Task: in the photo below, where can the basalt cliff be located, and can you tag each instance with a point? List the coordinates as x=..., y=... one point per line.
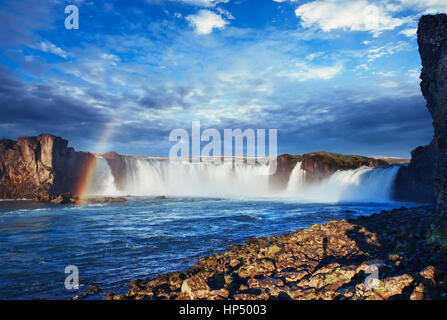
x=41, y=168
x=432, y=40
x=415, y=182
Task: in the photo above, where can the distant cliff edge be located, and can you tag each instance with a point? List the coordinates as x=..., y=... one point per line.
x=320, y=165
x=40, y=168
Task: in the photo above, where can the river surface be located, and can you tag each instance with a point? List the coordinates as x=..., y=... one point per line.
x=111, y=244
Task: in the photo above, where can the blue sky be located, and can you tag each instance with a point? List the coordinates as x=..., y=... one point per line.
x=332, y=75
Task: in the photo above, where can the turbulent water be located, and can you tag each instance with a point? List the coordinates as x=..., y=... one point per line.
x=208, y=208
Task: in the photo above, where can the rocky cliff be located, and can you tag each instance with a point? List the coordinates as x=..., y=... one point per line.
x=285, y=165
x=319, y=165
x=415, y=182
x=41, y=167
x=432, y=40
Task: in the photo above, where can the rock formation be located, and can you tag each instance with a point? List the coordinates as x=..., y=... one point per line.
x=319, y=165
x=41, y=167
x=414, y=183
x=432, y=40
x=284, y=167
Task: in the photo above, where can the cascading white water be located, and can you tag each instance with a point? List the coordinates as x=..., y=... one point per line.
x=150, y=177
x=364, y=184
x=102, y=182
x=154, y=177
x=297, y=180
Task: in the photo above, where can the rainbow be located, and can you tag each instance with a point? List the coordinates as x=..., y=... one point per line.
x=87, y=173
x=85, y=178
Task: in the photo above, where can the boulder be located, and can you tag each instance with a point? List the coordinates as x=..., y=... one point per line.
x=196, y=287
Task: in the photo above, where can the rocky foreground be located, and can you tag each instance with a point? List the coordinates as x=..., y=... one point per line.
x=331, y=261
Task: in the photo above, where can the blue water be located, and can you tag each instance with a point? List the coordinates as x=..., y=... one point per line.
x=112, y=244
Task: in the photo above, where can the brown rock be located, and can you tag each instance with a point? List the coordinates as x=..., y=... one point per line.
x=260, y=266
x=392, y=286
x=196, y=287
x=428, y=273
x=418, y=293
x=41, y=167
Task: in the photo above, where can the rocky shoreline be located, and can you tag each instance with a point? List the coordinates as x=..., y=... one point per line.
x=336, y=260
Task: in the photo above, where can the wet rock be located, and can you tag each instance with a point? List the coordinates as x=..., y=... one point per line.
x=292, y=276
x=137, y=284
x=196, y=287
x=418, y=292
x=257, y=267
x=95, y=200
x=392, y=287
x=428, y=273
x=110, y=296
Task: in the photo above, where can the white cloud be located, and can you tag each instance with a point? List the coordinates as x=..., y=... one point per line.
x=307, y=71
x=414, y=73
x=109, y=56
x=203, y=3
x=205, y=21
x=390, y=84
x=425, y=6
x=386, y=50
x=348, y=15
x=47, y=46
x=225, y=13
x=314, y=55
x=411, y=32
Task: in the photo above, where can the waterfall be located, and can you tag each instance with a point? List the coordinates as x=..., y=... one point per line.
x=296, y=180
x=102, y=182
x=364, y=184
x=144, y=176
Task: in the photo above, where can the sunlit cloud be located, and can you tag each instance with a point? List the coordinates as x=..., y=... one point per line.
x=205, y=21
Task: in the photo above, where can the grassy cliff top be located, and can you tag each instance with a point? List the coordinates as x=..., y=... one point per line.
x=343, y=158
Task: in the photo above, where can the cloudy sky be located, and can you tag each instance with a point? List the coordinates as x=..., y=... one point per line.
x=333, y=75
